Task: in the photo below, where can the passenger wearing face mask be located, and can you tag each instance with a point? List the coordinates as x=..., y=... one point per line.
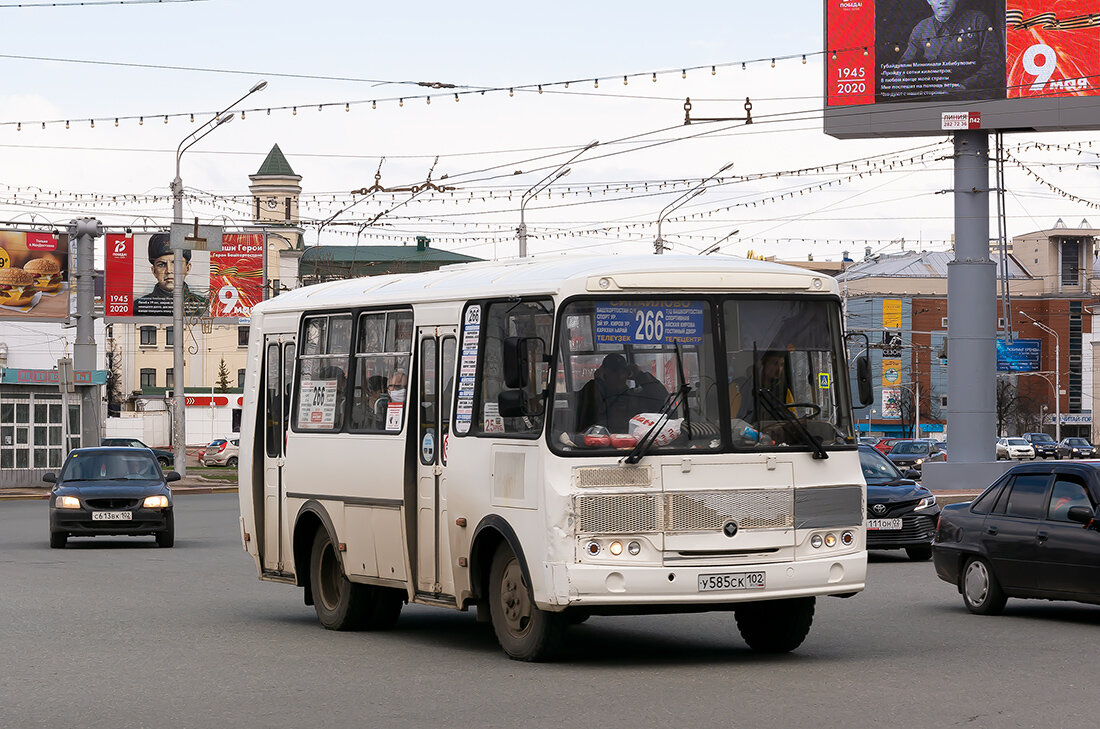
x=396, y=389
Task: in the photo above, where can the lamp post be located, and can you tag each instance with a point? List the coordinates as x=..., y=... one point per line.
x=179, y=442
x=659, y=244
x=1057, y=379
x=557, y=174
x=870, y=412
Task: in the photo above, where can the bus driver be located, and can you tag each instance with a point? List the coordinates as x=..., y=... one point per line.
x=608, y=400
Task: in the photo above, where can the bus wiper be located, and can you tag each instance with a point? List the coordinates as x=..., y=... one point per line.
x=683, y=379
x=642, y=446
x=771, y=402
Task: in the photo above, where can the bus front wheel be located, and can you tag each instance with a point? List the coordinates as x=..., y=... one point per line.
x=775, y=626
x=524, y=632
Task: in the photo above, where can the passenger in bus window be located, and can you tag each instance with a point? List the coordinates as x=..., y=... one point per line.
x=397, y=385
x=608, y=399
x=771, y=374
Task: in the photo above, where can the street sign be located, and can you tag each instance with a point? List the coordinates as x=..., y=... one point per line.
x=195, y=237
x=65, y=375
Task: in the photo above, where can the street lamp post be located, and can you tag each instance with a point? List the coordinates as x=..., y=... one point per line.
x=179, y=441
x=870, y=412
x=558, y=173
x=659, y=244
x=1057, y=379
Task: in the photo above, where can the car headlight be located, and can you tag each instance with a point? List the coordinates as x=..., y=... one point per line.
x=919, y=461
x=160, y=501
x=67, y=502
x=926, y=503
x=1076, y=450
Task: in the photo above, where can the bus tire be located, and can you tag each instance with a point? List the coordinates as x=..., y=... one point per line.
x=383, y=608
x=340, y=603
x=524, y=632
x=775, y=626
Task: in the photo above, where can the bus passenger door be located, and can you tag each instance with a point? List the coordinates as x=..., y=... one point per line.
x=434, y=382
x=279, y=354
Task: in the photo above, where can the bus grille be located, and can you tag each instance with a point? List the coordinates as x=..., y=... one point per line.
x=695, y=511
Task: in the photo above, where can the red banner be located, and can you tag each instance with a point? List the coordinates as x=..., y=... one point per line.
x=1052, y=48
x=236, y=276
x=119, y=276
x=851, y=61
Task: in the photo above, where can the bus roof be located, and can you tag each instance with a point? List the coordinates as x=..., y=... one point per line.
x=565, y=275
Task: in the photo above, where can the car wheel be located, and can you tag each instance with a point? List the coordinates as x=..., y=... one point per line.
x=58, y=540
x=981, y=591
x=524, y=632
x=919, y=554
x=164, y=463
x=231, y=463
x=167, y=536
x=775, y=626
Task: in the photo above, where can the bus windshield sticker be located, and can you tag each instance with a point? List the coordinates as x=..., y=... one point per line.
x=649, y=322
x=317, y=399
x=467, y=370
x=493, y=422
x=393, y=415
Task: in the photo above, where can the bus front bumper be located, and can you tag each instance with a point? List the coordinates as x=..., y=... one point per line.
x=579, y=585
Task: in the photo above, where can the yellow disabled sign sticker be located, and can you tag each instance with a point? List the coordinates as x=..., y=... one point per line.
x=824, y=380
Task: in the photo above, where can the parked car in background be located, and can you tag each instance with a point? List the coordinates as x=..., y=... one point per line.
x=1023, y=537
x=221, y=452
x=164, y=458
x=865, y=440
x=1044, y=445
x=1076, y=448
x=915, y=453
x=112, y=490
x=1014, y=448
x=884, y=445
x=900, y=513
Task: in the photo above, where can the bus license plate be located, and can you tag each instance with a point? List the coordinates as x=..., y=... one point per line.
x=112, y=516
x=732, y=581
x=875, y=524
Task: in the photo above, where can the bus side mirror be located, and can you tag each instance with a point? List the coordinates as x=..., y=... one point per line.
x=516, y=364
x=863, y=381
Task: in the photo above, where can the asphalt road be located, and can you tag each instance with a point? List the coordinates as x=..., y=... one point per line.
x=117, y=633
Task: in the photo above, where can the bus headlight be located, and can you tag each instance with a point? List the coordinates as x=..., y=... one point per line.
x=830, y=540
x=634, y=548
x=815, y=541
x=847, y=538
x=616, y=548
x=593, y=548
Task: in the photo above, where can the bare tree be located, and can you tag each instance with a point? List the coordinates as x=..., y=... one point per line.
x=1008, y=401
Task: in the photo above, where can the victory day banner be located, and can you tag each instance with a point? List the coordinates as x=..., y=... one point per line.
x=223, y=285
x=34, y=276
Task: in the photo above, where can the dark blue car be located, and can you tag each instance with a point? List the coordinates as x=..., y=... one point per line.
x=901, y=514
x=108, y=491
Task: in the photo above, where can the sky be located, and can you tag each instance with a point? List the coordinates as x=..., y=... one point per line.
x=791, y=191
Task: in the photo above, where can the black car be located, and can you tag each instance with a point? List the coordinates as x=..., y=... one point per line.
x=164, y=458
x=915, y=453
x=900, y=513
x=1044, y=445
x=1023, y=537
x=1076, y=448
x=112, y=490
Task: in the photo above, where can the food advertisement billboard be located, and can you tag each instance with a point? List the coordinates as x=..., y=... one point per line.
x=223, y=285
x=922, y=67
x=34, y=275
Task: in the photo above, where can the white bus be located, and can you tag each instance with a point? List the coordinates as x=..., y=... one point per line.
x=547, y=440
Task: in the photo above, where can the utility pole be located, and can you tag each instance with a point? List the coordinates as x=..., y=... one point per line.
x=85, y=231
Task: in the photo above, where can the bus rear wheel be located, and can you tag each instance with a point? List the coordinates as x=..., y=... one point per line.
x=524, y=632
x=775, y=626
x=345, y=605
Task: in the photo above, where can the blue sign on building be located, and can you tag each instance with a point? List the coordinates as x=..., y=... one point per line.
x=1022, y=355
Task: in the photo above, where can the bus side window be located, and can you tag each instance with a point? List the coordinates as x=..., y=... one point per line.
x=528, y=322
x=383, y=345
x=323, y=373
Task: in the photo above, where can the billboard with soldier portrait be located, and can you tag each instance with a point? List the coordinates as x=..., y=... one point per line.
x=223, y=285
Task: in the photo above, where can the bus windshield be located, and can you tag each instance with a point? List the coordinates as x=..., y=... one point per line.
x=628, y=367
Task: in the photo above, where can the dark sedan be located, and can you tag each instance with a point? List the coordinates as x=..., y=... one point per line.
x=1076, y=448
x=900, y=513
x=915, y=453
x=108, y=491
x=1023, y=537
x=164, y=458
x=1044, y=445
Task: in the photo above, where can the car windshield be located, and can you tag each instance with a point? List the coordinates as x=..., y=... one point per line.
x=1077, y=441
x=623, y=361
x=133, y=466
x=876, y=467
x=1016, y=441
x=1041, y=438
x=908, y=449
